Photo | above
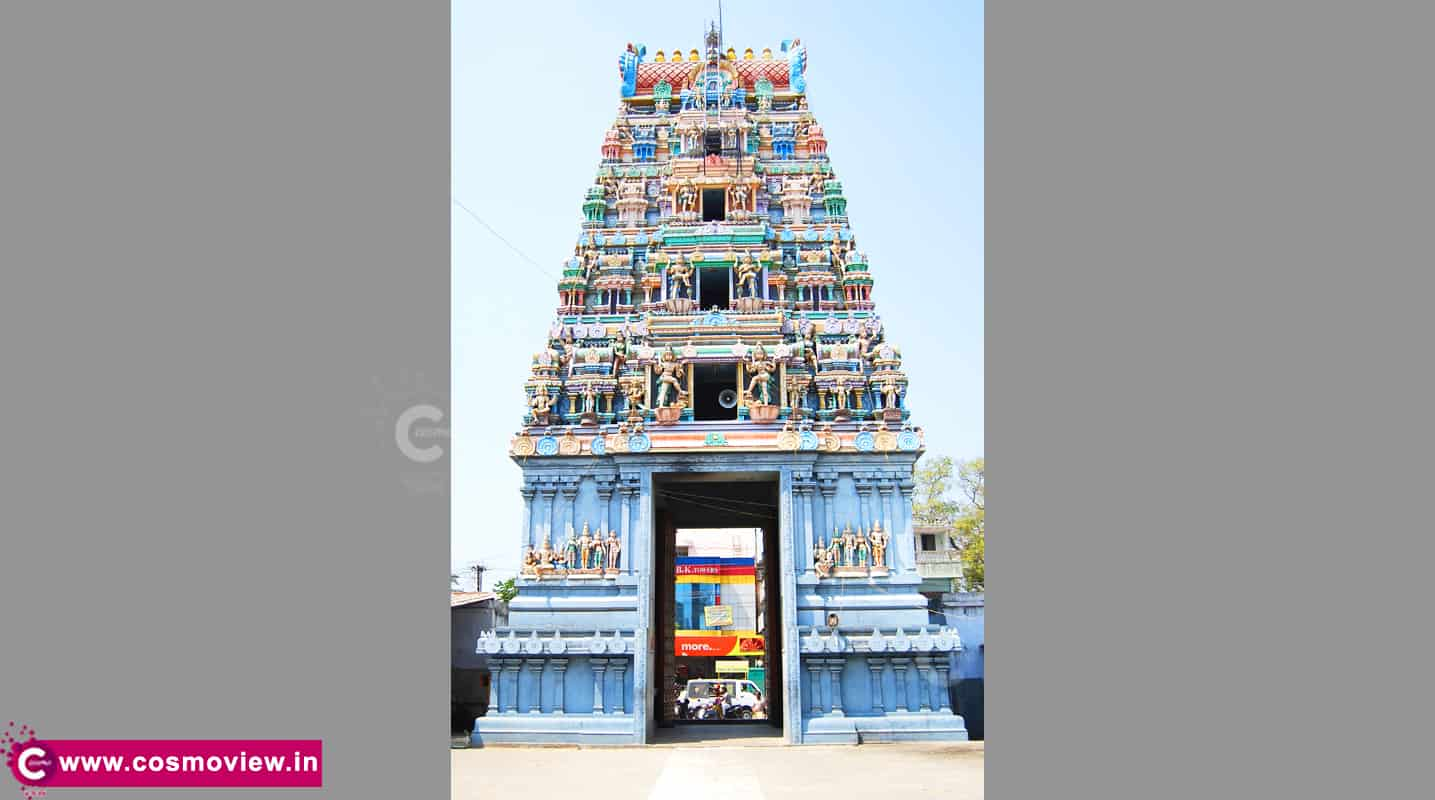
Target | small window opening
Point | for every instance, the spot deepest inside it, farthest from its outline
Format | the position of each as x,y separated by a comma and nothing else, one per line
712,143
929,542
714,391
713,290
713,205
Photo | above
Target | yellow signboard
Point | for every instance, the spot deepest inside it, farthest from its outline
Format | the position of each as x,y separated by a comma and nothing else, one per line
717,616
731,667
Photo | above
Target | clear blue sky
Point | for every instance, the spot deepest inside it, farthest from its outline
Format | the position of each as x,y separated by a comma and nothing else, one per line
898,89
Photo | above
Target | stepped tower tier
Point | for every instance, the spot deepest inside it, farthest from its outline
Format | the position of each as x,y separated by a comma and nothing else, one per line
716,359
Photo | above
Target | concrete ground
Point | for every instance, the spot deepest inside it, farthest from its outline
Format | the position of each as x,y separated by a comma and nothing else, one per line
744,769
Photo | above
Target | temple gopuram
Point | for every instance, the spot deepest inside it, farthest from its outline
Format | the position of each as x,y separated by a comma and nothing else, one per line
716,447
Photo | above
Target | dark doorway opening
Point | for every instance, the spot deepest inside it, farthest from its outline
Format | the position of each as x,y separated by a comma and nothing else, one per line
726,522
712,143
713,205
713,289
714,391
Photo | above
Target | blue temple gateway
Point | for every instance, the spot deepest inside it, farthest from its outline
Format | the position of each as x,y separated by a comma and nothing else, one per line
717,452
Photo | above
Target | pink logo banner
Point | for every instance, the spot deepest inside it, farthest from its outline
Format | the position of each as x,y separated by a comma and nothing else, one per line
164,763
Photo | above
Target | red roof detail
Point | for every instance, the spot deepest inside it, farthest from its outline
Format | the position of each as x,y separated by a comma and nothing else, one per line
676,74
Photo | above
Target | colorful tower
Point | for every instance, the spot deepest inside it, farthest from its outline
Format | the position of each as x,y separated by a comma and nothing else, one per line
716,361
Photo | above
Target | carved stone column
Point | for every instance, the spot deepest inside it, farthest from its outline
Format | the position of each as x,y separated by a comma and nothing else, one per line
545,513
864,511
620,668
528,491
924,683
827,484
569,512
873,503
535,667
510,666
876,665
560,666
835,666
889,521
630,491
494,674
599,665
944,700
906,544
605,501
814,672
900,665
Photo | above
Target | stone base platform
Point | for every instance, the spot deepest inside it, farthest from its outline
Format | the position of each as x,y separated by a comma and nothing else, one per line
500,729
899,726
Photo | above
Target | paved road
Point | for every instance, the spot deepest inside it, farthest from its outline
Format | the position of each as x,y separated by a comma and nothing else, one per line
721,770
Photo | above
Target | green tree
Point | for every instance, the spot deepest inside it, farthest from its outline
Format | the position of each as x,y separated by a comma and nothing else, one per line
506,589
963,515
970,528
931,503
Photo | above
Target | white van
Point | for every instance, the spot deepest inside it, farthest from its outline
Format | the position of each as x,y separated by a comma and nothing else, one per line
695,700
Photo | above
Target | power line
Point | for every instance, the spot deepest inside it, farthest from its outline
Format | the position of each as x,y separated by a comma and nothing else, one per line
501,238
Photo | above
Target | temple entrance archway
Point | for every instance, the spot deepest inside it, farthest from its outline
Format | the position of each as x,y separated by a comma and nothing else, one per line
716,604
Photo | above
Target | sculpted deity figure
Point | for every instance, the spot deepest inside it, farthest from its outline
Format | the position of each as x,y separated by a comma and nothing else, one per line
890,392
841,392
570,551
687,198
762,368
680,273
849,546
864,544
879,545
669,377
614,548
634,392
822,559
834,548
585,545
540,403
530,561
620,352
570,353
737,197
546,554
748,270
590,398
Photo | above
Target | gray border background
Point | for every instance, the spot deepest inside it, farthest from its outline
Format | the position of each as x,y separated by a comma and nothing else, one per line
225,233
225,272
1208,270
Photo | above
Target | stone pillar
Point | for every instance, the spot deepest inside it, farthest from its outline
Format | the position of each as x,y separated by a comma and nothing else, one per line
620,668
876,665
873,503
834,666
900,665
924,683
545,514
570,505
860,489
599,665
510,666
889,520
493,681
629,494
528,533
535,666
560,666
814,672
605,502
905,543
944,700
827,483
